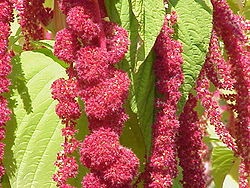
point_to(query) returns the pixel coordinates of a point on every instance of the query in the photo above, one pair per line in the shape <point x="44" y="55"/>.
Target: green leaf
<point x="247" y="10"/>
<point x="136" y="141"/>
<point x="143" y="20"/>
<point x="150" y="16"/>
<point x="46" y="43"/>
<point x="49" y="3"/>
<point x="34" y="132"/>
<point x="47" y="49"/>
<point x="234" y="5"/>
<point x="142" y="98"/>
<point x="194" y="25"/>
<point x="222" y="162"/>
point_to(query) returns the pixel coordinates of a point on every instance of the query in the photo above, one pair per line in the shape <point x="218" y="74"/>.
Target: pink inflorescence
<point x="162" y="166"/>
<point x="32" y="16"/>
<point x="6" y="16"/>
<point x="212" y="110"/>
<point x="190" y="146"/>
<point x="217" y="69"/>
<point x="232" y="30"/>
<point x="68" y="110"/>
<point x="92" y="46"/>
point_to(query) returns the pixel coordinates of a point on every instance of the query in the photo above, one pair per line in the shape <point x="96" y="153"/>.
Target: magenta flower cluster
<point x="68" y="110"/>
<point x="162" y="166"/>
<point x="91" y="46"/>
<point x="212" y="108"/>
<point x="6" y="16"/>
<point x="190" y="146"/>
<point x="33" y="16"/>
<point x="232" y="30"/>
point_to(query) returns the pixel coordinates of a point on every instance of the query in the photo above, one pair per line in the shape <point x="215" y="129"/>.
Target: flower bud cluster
<point x="92" y="46"/>
<point x="217" y="69"/>
<point x="232" y="30"/>
<point x="190" y="146"/>
<point x="162" y="166"/>
<point x="212" y="109"/>
<point x="6" y="16"/>
<point x="68" y="110"/>
<point x="33" y="16"/>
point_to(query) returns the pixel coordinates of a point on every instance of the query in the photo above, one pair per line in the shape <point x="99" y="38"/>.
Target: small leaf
<point x="142" y="96"/>
<point x="46" y="43"/>
<point x="222" y="162"/>
<point x="247" y="10"/>
<point x="234" y="5"/>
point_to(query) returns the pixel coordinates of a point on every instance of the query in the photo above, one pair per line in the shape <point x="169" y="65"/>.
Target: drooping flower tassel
<point x="212" y="110"/>
<point x="102" y="87"/>
<point x="218" y="70"/>
<point x="162" y="166"/>
<point x="190" y="146"/>
<point x="68" y="110"/>
<point x="33" y="16"/>
<point x="6" y="16"/>
<point x="232" y="30"/>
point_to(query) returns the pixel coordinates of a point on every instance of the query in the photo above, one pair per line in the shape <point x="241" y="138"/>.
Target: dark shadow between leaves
<point x="18" y="84"/>
<point x="204" y="5"/>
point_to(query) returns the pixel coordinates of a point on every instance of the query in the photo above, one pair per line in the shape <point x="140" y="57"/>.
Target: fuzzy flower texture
<point x="91" y="47"/>
<point x="6" y="11"/>
<point x="162" y="168"/>
<point x="33" y="16"/>
<point x="232" y="30"/>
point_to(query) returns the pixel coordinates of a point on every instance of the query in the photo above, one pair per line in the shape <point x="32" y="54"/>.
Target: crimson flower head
<point x="66" y="45"/>
<point x="100" y="149"/>
<point x="92" y="64"/>
<point x="92" y="180"/>
<point x="122" y="172"/>
<point x="82" y="23"/>
<point x="117" y="41"/>
<point x="108" y="96"/>
<point x="64" y="89"/>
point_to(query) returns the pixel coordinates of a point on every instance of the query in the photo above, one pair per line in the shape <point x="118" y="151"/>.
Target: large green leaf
<point x="222" y="163"/>
<point x="150" y="16"/>
<point x="193" y="29"/>
<point x="33" y="133"/>
<point x="143" y="20"/>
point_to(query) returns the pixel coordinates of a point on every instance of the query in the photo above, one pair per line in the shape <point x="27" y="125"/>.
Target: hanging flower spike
<point x="162" y="166"/>
<point x="232" y="29"/>
<point x="68" y="110"/>
<point x="190" y="145"/>
<point x="104" y="90"/>
<point x="32" y="16"/>
<point x="6" y="16"/>
<point x="217" y="69"/>
<point x="212" y="110"/>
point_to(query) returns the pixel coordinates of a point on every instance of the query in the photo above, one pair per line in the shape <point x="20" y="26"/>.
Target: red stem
<point x="102" y="39"/>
